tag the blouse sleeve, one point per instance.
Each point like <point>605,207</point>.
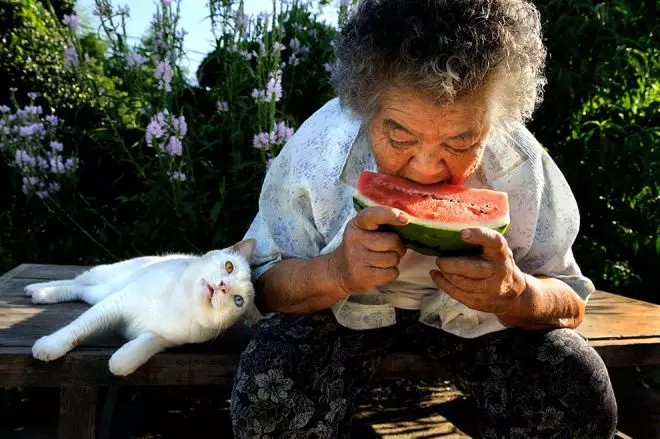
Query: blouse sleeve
<point>556,228</point>
<point>284,226</point>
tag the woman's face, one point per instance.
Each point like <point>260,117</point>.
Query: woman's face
<point>415,138</point>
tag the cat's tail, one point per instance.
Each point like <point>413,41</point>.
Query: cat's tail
<point>67,291</point>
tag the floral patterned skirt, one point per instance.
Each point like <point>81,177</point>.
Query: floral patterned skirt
<point>300,373</point>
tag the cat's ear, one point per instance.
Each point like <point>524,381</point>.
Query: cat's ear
<point>245,248</point>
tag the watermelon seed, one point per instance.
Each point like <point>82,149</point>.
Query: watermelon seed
<point>482,210</point>
<point>435,197</point>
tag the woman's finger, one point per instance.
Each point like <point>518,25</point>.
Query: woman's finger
<point>384,242</point>
<point>382,276</point>
<point>494,244</point>
<point>372,218</point>
<point>383,259</point>
<point>468,284</point>
<point>465,297</point>
<point>470,266</point>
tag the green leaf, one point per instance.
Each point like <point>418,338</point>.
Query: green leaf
<point>215,211</point>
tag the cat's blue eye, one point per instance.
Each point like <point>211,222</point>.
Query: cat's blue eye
<point>238,300</point>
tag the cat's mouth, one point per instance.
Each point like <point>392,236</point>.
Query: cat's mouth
<point>212,289</point>
<point>209,290</point>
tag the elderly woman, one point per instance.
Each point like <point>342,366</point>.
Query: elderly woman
<point>433,91</point>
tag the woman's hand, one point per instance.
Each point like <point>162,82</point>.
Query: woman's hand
<point>366,257</point>
<point>490,282</point>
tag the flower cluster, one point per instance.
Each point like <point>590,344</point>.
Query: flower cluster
<point>73,21</point>
<point>70,58</point>
<point>168,40</point>
<point>28,141</point>
<point>177,176</point>
<point>169,131</point>
<point>273,91</point>
<point>278,136</point>
<point>163,74</point>
<point>135,61</point>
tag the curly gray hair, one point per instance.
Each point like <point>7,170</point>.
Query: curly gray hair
<point>446,48</point>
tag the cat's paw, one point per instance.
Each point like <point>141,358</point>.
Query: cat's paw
<point>121,364</point>
<point>49,348</point>
<point>44,295</point>
<point>30,289</point>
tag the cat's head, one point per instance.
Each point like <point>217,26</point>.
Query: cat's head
<point>222,286</point>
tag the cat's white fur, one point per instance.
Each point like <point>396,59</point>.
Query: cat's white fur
<point>156,302</point>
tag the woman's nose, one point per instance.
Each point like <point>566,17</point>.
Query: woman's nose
<point>426,168</point>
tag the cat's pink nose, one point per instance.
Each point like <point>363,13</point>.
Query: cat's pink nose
<point>223,287</point>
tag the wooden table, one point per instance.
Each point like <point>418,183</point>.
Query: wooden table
<point>624,331</point>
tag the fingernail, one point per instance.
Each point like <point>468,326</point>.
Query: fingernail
<point>403,218</point>
<point>466,234</point>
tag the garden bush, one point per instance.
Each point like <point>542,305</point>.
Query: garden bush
<point>600,122</point>
<point>151,162</point>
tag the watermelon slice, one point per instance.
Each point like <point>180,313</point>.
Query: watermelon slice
<point>438,212</point>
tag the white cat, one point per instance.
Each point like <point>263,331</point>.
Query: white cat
<point>157,302</point>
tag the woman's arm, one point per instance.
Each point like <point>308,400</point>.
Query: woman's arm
<point>545,303</point>
<point>493,283</point>
<point>366,258</point>
<point>299,286</point>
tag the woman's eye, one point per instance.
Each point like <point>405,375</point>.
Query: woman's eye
<point>238,300</point>
<point>401,144</point>
<point>229,267</point>
<point>461,148</point>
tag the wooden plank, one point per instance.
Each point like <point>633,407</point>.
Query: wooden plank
<point>83,367</point>
<point>22,323</point>
<point>50,271</point>
<point>610,316</point>
<point>11,274</point>
<point>77,413</point>
<point>623,353</point>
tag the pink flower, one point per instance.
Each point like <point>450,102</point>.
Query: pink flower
<point>163,73</point>
<point>174,147</point>
<point>154,130</point>
<point>70,58</point>
<point>178,176</point>
<point>73,21</point>
<point>274,89</point>
<point>135,60</point>
<point>180,126</point>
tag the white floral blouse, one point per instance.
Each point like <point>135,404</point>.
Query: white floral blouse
<point>306,201</point>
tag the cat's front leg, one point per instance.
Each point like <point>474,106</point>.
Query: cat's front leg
<point>136,352</point>
<point>99,317</point>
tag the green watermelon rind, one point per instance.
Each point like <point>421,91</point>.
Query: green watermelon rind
<point>427,239</point>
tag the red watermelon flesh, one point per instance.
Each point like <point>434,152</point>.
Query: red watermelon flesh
<point>438,212</point>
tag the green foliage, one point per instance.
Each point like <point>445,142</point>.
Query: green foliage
<point>600,122</point>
